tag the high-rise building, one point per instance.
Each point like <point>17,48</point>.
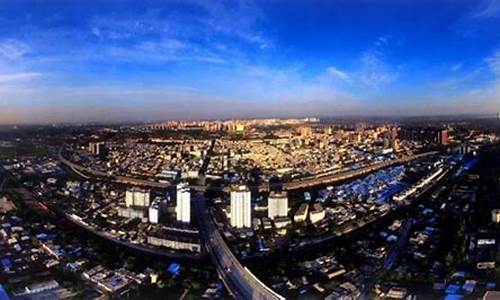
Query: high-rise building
<point>277,205</point>
<point>443,137</point>
<point>137,197</point>
<point>317,213</point>
<point>305,131</point>
<point>394,133</point>
<point>241,207</point>
<point>495,215</point>
<point>183,208</point>
<point>154,211</point>
<point>301,213</point>
<point>96,148</point>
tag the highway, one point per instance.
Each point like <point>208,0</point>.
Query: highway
<point>239,281</point>
<point>314,181</point>
<point>393,253</point>
<point>391,257</point>
<point>202,187</point>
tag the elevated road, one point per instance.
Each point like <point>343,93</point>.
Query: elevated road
<point>329,179</point>
<point>202,187</point>
<point>239,281</point>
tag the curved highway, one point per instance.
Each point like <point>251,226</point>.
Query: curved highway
<point>239,281</point>
<point>303,183</point>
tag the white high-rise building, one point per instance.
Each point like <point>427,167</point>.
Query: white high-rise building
<point>96,147</point>
<point>183,208</point>
<point>154,211</point>
<point>241,207</point>
<point>277,205</point>
<point>137,197</point>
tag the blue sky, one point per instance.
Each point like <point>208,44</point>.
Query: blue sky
<point>151,60</point>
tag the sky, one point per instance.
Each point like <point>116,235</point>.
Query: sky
<point>112,61</point>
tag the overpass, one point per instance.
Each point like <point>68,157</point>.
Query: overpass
<point>202,187</point>
<point>328,179</point>
<point>239,281</point>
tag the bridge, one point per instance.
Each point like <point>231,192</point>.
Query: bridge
<point>202,187</point>
<point>239,281</point>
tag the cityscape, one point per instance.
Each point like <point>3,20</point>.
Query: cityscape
<point>192,150</point>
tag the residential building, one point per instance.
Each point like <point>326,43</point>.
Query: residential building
<point>137,197</point>
<point>241,207</point>
<point>301,213</point>
<point>317,213</point>
<point>277,205</point>
<point>183,208</point>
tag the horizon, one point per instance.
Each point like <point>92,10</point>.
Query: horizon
<point>132,62</point>
<point>321,119</point>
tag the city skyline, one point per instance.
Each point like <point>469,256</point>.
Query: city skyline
<point>130,62</point>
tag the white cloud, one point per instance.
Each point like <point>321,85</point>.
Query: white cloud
<point>383,40</point>
<point>457,67</point>
<point>494,62</point>
<point>488,10</point>
<point>336,73</point>
<point>13,77</point>
<point>12,49</point>
<point>374,71</point>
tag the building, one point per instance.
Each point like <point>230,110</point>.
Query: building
<point>240,127</point>
<point>40,287</point>
<point>241,207</point>
<point>495,215</point>
<point>317,213</point>
<point>176,239</point>
<point>277,205</point>
<point>132,212</point>
<point>154,211</point>
<point>301,213</point>
<point>305,131</point>
<point>443,137</point>
<point>137,197</point>
<point>183,208</point>
<point>96,148</point>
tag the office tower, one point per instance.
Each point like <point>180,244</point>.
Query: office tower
<point>137,197</point>
<point>443,137</point>
<point>241,213</point>
<point>183,208</point>
<point>277,205</point>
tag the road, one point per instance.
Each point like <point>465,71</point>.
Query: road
<point>402,240</point>
<point>391,257</point>
<point>239,281</point>
<point>202,187</point>
<point>314,181</point>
